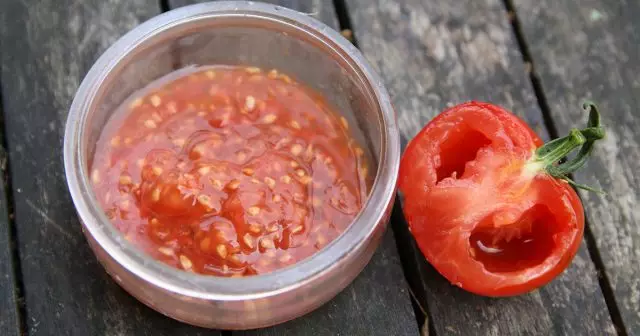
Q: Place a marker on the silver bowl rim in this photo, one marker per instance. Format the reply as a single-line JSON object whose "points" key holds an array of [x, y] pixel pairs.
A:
{"points": [[96, 224]]}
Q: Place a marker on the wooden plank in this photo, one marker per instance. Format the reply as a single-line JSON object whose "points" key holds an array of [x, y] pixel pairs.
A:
{"points": [[9, 321], [377, 302], [319, 9], [47, 48], [589, 49], [433, 54]]}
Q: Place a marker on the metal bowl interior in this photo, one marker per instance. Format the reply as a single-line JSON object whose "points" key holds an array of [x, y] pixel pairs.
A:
{"points": [[236, 33]]}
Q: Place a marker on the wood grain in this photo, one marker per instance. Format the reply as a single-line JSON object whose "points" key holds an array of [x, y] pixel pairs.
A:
{"points": [[589, 50], [433, 54], [319, 9], [9, 322], [47, 49], [377, 302]]}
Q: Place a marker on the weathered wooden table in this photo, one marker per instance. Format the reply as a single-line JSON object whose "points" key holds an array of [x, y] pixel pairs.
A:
{"points": [[537, 58]]}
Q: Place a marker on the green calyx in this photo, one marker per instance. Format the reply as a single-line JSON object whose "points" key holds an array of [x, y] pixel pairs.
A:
{"points": [[548, 155]]}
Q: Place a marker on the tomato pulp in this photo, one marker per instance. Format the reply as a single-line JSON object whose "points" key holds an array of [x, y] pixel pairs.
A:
{"points": [[229, 171], [489, 206]]}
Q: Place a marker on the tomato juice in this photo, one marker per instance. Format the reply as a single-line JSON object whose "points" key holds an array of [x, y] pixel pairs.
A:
{"points": [[229, 171]]}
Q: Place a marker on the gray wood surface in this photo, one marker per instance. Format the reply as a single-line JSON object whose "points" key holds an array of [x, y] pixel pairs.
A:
{"points": [[589, 50], [377, 302], [47, 49], [320, 9], [9, 323], [433, 54]]}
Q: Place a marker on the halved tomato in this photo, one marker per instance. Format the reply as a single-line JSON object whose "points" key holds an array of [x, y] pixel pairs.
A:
{"points": [[489, 205]]}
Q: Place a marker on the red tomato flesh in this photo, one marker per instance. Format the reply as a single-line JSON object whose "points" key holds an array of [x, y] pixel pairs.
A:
{"points": [[486, 217], [229, 171]]}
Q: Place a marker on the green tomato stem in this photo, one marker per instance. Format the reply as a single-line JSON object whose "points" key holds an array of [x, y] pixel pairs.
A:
{"points": [[548, 155]]}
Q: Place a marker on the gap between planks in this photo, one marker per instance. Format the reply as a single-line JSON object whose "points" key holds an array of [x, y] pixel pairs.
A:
{"points": [[594, 254], [164, 6], [16, 269]]}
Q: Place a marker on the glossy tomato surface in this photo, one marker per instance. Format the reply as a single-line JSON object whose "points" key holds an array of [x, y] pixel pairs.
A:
{"points": [[486, 218], [229, 171]]}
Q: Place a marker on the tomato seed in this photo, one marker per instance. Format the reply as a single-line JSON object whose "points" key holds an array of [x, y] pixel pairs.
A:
{"points": [[253, 211], [285, 258], [247, 171], [254, 228], [166, 251], [185, 262], [125, 180], [271, 183], [267, 243], [150, 123], [296, 149], [155, 195], [345, 123], [222, 251], [249, 103], [115, 141], [294, 124], [269, 118], [155, 100], [248, 241], [285, 179], [233, 185], [204, 170], [95, 176]]}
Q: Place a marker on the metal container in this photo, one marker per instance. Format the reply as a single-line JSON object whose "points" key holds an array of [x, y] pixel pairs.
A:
{"points": [[244, 33]]}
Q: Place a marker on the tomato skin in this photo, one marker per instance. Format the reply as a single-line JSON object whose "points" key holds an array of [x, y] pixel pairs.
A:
{"points": [[481, 216]]}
